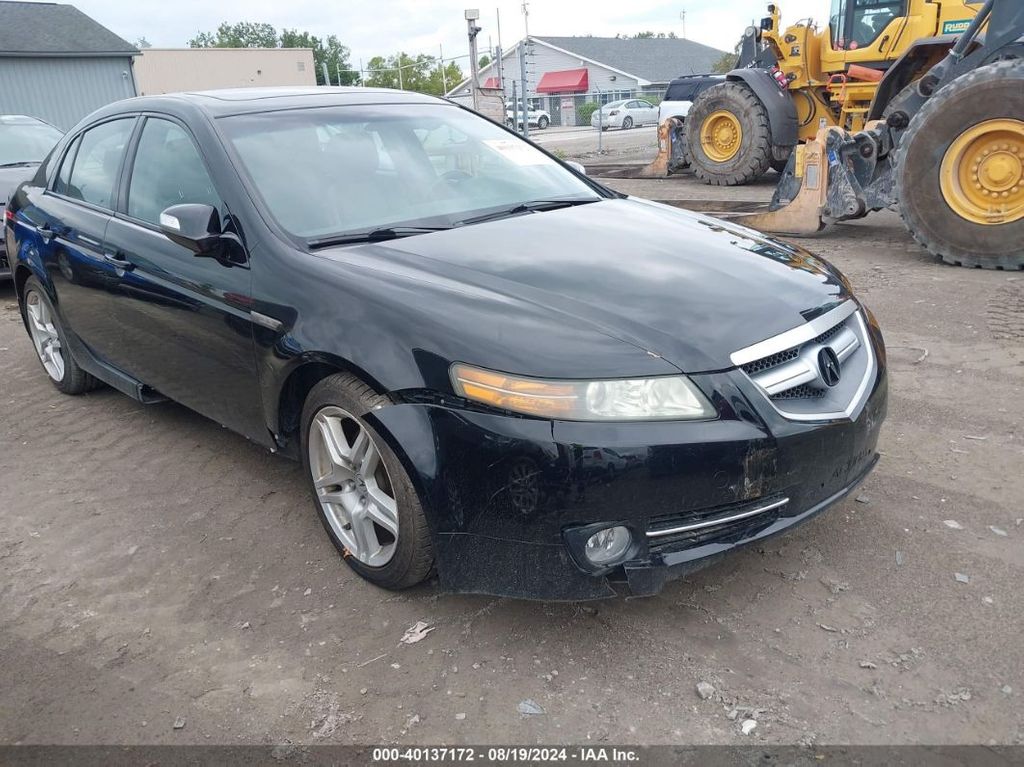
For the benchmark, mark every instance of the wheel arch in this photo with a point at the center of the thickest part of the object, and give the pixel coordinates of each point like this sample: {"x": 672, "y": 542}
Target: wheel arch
{"x": 295, "y": 384}
{"x": 917, "y": 59}
{"x": 782, "y": 119}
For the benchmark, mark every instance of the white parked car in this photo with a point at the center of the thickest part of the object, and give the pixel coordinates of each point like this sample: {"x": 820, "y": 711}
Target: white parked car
{"x": 537, "y": 118}
{"x": 625, "y": 114}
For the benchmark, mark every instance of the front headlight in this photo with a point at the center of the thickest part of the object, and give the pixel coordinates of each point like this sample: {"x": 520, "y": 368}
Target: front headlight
{"x": 666, "y": 398}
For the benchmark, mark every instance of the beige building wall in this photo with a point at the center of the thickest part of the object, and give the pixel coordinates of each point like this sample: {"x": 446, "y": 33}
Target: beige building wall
{"x": 168, "y": 70}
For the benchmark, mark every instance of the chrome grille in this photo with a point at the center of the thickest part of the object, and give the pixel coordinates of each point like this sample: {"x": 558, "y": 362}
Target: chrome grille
{"x": 788, "y": 369}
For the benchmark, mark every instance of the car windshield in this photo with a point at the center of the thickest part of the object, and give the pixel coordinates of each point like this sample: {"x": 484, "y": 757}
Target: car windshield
{"x": 335, "y": 171}
{"x": 25, "y": 141}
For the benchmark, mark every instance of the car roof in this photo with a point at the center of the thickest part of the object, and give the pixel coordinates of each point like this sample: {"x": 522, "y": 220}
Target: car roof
{"x": 233, "y": 101}
{"x": 21, "y": 120}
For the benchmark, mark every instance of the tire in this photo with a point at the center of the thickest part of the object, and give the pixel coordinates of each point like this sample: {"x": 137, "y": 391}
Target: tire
{"x": 410, "y": 557}
{"x": 753, "y": 155}
{"x": 627, "y": 123}
{"x": 543, "y": 123}
{"x": 989, "y": 93}
{"x": 50, "y": 342}
{"x": 779, "y": 166}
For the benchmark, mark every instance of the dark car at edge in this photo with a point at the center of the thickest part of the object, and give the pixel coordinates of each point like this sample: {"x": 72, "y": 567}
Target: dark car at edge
{"x": 353, "y": 278}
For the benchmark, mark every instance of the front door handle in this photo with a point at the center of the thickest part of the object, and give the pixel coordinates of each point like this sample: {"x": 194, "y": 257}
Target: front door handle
{"x": 117, "y": 260}
{"x": 46, "y": 233}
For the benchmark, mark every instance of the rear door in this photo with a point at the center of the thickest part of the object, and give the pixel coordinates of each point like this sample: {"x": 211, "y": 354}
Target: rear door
{"x": 72, "y": 222}
{"x": 186, "y": 324}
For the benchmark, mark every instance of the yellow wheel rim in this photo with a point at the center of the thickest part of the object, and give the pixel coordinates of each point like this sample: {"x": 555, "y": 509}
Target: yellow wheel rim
{"x": 982, "y": 174}
{"x": 721, "y": 135}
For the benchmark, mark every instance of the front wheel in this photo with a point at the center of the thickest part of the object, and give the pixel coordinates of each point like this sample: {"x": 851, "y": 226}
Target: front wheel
{"x": 728, "y": 137}
{"x": 960, "y": 170}
{"x": 627, "y": 123}
{"x": 362, "y": 494}
{"x": 543, "y": 123}
{"x": 51, "y": 342}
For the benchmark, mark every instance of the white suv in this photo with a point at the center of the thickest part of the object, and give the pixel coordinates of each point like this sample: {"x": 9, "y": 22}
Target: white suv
{"x": 537, "y": 118}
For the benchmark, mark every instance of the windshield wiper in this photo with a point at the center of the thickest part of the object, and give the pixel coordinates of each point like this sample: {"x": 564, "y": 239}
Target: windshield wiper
{"x": 375, "y": 235}
{"x": 22, "y": 164}
{"x": 533, "y": 206}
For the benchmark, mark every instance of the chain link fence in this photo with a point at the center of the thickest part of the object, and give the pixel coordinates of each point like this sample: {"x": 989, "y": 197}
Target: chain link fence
{"x": 576, "y": 109}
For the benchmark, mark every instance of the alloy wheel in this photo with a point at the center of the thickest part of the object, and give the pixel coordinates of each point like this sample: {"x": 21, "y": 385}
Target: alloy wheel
{"x": 44, "y": 335}
{"x": 353, "y": 486}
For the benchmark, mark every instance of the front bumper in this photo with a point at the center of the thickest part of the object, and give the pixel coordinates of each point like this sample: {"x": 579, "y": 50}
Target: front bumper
{"x": 503, "y": 494}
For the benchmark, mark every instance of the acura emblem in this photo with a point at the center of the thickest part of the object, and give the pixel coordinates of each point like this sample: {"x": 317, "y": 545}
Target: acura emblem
{"x": 828, "y": 366}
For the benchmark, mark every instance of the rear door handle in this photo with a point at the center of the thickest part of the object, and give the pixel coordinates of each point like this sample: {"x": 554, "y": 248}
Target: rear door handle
{"x": 117, "y": 260}
{"x": 46, "y": 233}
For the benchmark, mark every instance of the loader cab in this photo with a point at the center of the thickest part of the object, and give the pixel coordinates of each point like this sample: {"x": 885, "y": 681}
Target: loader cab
{"x": 863, "y": 30}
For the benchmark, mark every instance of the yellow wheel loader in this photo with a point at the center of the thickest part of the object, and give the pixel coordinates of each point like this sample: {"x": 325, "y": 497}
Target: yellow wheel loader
{"x": 943, "y": 144}
{"x": 790, "y": 82}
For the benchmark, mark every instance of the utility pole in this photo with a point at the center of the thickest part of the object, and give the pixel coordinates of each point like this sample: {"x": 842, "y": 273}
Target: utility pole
{"x": 472, "y": 14}
{"x": 501, "y": 64}
{"x": 327, "y": 74}
{"x": 401, "y": 87}
{"x": 444, "y": 78}
{"x": 682, "y": 18}
{"x": 522, "y": 79}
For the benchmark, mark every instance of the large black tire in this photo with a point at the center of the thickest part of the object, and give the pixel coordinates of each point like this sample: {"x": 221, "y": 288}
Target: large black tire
{"x": 754, "y": 155}
{"x": 991, "y": 92}
{"x": 413, "y": 558}
{"x": 73, "y": 379}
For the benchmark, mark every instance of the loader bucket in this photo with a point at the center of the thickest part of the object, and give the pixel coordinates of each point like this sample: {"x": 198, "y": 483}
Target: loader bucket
{"x": 837, "y": 176}
{"x": 671, "y": 150}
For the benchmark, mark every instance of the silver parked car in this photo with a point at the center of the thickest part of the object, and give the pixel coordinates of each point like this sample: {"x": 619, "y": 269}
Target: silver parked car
{"x": 24, "y": 143}
{"x": 625, "y": 114}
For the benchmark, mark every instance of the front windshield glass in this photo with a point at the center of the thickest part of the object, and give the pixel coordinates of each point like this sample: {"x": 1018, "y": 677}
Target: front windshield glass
{"x": 345, "y": 170}
{"x": 25, "y": 141}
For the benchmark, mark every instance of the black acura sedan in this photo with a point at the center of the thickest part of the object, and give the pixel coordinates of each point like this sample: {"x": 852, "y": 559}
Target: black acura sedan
{"x": 488, "y": 364}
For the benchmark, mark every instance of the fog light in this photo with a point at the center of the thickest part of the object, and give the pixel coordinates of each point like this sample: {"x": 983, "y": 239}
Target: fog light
{"x": 607, "y": 546}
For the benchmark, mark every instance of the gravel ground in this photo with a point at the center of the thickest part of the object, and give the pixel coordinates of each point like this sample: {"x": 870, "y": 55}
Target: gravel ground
{"x": 154, "y": 568}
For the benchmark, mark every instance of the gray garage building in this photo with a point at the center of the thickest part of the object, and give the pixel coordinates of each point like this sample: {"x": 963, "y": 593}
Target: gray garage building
{"x": 59, "y": 65}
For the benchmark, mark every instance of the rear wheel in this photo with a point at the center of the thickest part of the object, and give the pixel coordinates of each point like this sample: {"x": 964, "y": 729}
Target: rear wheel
{"x": 361, "y": 491}
{"x": 51, "y": 343}
{"x": 728, "y": 136}
{"x": 960, "y": 178}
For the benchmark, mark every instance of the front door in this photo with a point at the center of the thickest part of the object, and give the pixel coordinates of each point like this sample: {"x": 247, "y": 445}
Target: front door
{"x": 186, "y": 325}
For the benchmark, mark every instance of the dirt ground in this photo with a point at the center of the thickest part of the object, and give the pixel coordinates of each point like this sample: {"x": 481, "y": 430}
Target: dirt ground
{"x": 155, "y": 567}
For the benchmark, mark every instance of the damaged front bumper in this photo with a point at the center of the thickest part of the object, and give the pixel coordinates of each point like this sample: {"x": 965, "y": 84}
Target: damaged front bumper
{"x": 511, "y": 500}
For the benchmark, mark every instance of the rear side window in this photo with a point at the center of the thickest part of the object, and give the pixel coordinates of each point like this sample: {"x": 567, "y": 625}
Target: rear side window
{"x": 679, "y": 92}
{"x": 97, "y": 162}
{"x": 168, "y": 170}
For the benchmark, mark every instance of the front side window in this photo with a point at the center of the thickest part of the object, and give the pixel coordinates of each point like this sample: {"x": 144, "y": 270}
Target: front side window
{"x": 168, "y": 170}
{"x": 341, "y": 170}
{"x": 97, "y": 161}
{"x": 64, "y": 174}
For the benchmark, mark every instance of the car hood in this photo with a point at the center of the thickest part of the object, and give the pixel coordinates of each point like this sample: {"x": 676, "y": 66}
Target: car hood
{"x": 685, "y": 287}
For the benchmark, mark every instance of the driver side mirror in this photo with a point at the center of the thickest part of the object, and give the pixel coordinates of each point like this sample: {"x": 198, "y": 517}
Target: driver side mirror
{"x": 193, "y": 226}
{"x": 576, "y": 167}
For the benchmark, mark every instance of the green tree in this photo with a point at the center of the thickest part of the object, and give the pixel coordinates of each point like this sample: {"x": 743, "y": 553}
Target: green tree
{"x": 421, "y": 73}
{"x": 725, "y": 63}
{"x": 243, "y": 34}
{"x": 648, "y": 35}
{"x": 329, "y": 51}
{"x": 484, "y": 61}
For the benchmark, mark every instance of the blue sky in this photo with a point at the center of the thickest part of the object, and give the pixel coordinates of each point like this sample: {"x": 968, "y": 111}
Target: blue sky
{"x": 421, "y": 26}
